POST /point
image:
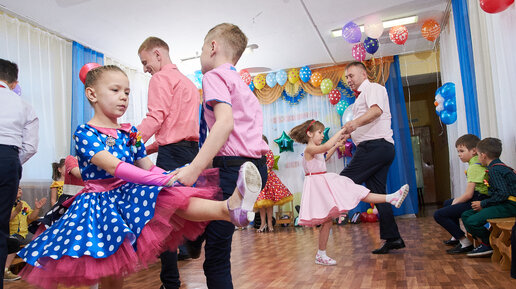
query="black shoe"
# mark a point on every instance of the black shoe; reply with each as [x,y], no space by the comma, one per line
[390,245]
[193,248]
[459,249]
[451,242]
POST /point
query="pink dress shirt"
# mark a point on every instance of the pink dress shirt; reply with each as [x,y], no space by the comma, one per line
[371,94]
[173,108]
[223,84]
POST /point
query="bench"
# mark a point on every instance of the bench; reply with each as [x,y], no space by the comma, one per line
[500,239]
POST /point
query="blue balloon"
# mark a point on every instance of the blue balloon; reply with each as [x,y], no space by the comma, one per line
[281,77]
[341,107]
[448,117]
[371,45]
[351,32]
[251,86]
[438,91]
[450,105]
[448,90]
[304,73]
[17,89]
[270,79]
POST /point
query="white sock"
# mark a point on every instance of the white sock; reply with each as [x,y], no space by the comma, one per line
[393,198]
[321,253]
[465,242]
[452,238]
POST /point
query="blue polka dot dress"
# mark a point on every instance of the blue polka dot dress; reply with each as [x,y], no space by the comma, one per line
[113,227]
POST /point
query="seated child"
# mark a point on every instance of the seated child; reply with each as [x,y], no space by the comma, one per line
[448,216]
[21,215]
[501,186]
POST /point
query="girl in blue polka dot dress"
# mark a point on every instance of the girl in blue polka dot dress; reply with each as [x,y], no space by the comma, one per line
[130,210]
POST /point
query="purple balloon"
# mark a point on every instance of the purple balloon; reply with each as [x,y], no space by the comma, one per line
[351,32]
[371,45]
[17,89]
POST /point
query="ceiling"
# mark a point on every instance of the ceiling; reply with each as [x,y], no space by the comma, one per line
[289,33]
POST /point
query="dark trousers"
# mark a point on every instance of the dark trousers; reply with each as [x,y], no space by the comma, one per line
[171,157]
[474,221]
[219,234]
[449,215]
[370,165]
[10,174]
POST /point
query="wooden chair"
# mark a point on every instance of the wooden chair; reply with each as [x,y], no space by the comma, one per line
[500,239]
[280,213]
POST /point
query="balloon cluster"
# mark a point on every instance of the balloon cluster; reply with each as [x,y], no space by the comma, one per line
[346,150]
[445,104]
[371,215]
[373,28]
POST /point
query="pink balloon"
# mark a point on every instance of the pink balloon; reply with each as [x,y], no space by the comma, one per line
[398,34]
[347,149]
[246,77]
[359,52]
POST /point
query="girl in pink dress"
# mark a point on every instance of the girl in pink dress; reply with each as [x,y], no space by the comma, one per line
[327,195]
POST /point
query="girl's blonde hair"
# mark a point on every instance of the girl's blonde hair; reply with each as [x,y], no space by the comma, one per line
[299,132]
[96,73]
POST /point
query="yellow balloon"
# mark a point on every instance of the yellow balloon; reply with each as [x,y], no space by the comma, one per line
[259,81]
[293,75]
[316,79]
[326,85]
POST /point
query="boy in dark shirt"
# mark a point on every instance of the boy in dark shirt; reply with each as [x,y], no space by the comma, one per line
[501,183]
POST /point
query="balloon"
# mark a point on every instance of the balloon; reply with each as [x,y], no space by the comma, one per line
[85,68]
[373,27]
[375,210]
[341,107]
[448,90]
[276,160]
[351,32]
[448,117]
[259,81]
[348,114]
[334,96]
[358,52]
[17,89]
[281,77]
[246,77]
[285,143]
[371,218]
[305,73]
[348,146]
[398,34]
[430,29]
[370,211]
[439,103]
[271,79]
[316,79]
[251,86]
[293,75]
[371,45]
[495,6]
[326,134]
[326,86]
[450,105]
[363,217]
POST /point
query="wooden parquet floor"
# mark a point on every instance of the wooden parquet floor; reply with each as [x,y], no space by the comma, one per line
[284,259]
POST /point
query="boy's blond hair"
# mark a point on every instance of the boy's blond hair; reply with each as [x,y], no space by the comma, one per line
[231,37]
[152,42]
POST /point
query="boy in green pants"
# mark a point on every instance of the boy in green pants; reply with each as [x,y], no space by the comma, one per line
[501,183]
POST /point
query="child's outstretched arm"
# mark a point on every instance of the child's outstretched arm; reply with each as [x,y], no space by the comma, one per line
[338,144]
[467,195]
[313,149]
[218,136]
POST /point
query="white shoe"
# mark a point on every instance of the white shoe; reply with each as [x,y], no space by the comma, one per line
[324,260]
[403,192]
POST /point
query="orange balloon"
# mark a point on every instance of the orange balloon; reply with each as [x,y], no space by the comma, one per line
[316,79]
[430,30]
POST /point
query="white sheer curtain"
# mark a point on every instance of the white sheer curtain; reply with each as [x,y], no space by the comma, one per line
[45,64]
[281,116]
[450,72]
[495,67]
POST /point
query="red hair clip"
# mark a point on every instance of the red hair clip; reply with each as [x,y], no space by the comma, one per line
[85,69]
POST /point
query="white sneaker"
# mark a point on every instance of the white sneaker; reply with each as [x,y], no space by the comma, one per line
[324,260]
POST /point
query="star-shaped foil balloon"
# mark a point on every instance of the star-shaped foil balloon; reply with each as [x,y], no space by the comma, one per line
[326,136]
[275,166]
[285,143]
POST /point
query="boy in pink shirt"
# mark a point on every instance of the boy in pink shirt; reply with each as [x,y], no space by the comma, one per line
[235,121]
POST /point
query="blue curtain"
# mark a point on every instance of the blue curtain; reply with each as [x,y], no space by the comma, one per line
[81,108]
[467,66]
[402,170]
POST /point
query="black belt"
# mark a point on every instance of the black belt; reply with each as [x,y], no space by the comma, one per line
[10,147]
[184,143]
[233,161]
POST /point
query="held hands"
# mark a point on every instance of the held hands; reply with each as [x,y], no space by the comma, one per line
[39,204]
[349,127]
[187,176]
[475,205]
